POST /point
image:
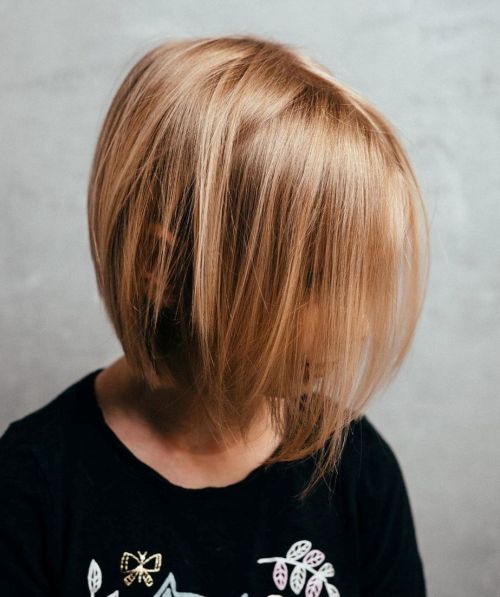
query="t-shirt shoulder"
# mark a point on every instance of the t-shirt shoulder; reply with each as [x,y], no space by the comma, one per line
[26,534]
[369,452]
[389,557]
[43,445]
[45,424]
[32,451]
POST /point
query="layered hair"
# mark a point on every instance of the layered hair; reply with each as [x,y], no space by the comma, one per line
[259,238]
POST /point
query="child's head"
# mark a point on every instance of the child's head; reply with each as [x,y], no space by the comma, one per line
[248,213]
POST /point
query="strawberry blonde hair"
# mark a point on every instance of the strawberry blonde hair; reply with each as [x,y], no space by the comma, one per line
[237,188]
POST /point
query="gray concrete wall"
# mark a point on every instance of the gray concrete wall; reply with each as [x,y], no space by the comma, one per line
[432,68]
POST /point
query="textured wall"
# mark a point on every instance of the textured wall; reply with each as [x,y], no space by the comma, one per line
[432,68]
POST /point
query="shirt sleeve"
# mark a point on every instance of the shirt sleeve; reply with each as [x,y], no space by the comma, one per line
[24,506]
[390,559]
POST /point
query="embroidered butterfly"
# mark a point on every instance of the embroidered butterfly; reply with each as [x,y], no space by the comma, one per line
[139,569]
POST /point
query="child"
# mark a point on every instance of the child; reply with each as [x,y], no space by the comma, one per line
[260,246]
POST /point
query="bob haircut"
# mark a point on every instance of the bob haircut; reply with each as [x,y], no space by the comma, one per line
[259,238]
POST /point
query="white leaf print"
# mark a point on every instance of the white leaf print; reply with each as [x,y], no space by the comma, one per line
[298,549]
[113,594]
[280,574]
[314,586]
[314,558]
[327,570]
[94,577]
[297,579]
[311,559]
[332,591]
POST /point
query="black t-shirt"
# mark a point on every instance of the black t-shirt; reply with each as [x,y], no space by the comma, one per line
[81,515]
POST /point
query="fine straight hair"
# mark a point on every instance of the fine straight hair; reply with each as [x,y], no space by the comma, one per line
[242,200]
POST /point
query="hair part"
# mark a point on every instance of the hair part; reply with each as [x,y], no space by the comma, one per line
[242,200]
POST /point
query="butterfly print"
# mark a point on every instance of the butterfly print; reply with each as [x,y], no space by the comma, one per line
[139,569]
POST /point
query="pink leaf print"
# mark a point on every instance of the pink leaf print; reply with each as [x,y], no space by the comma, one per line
[298,549]
[297,579]
[314,557]
[314,586]
[280,574]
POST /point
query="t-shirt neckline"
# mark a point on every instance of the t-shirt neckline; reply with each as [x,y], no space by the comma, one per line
[144,471]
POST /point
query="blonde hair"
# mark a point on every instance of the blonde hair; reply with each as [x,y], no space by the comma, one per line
[237,187]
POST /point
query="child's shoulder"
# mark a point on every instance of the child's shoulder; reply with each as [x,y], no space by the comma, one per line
[363,434]
[49,423]
[370,460]
[369,456]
